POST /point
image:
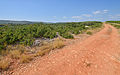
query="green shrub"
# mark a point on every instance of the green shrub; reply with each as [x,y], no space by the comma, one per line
[67,35]
[89,33]
[12,34]
[113,22]
[1,47]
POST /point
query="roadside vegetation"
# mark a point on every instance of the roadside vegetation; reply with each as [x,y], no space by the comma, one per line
[26,34]
[17,40]
[118,22]
[114,23]
[89,33]
[20,54]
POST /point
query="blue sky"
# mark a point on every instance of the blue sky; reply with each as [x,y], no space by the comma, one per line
[60,10]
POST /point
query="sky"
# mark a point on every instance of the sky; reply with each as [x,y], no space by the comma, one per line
[60,10]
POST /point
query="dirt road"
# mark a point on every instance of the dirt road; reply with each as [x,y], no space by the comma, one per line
[97,55]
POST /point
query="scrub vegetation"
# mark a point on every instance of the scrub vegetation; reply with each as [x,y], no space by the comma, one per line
[16,38]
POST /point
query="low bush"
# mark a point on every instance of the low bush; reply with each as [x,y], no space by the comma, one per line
[12,34]
[67,35]
[89,33]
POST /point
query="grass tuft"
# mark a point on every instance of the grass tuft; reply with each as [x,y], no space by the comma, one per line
[26,58]
[41,53]
[15,54]
[4,64]
[58,43]
[47,47]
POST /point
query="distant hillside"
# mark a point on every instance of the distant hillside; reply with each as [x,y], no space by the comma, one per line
[16,22]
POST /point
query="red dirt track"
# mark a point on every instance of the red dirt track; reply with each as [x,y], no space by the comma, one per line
[97,55]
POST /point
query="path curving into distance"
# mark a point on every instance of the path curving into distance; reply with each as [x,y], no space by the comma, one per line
[97,55]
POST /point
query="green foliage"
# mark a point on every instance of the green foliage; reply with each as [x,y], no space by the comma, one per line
[89,33]
[1,47]
[26,34]
[67,35]
[115,25]
[113,22]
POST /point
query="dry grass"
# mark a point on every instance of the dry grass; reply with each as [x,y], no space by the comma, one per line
[15,54]
[4,64]
[26,58]
[47,47]
[16,47]
[58,43]
[42,53]
[13,51]
[18,52]
[4,52]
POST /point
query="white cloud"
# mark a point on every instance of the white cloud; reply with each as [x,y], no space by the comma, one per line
[97,12]
[105,11]
[77,17]
[100,12]
[82,16]
[86,15]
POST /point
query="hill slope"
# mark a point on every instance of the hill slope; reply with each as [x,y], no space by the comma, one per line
[16,22]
